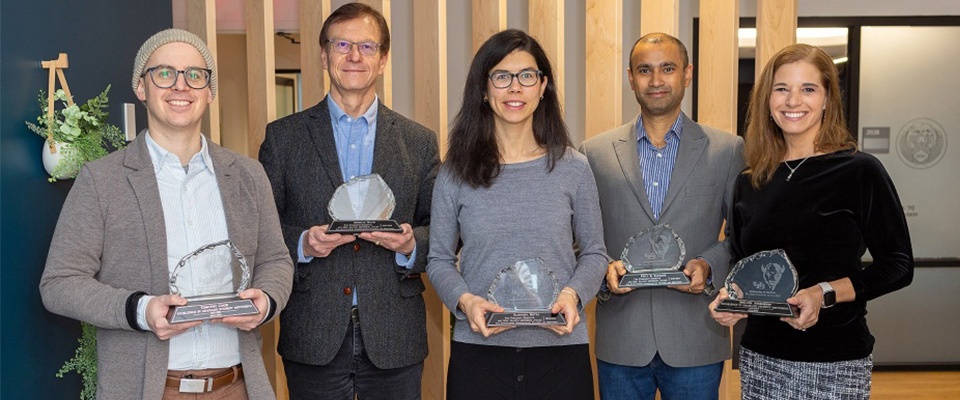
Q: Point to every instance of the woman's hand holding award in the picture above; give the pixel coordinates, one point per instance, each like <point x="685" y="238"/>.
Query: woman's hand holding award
<point x="761" y="284"/>
<point x="526" y="290"/>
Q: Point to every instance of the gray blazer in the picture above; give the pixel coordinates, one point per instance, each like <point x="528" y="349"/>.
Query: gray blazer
<point x="632" y="328"/>
<point x="300" y="157"/>
<point x="111" y="241"/>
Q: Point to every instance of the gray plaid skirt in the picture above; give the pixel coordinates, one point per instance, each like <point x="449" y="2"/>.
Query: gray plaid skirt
<point x="769" y="378"/>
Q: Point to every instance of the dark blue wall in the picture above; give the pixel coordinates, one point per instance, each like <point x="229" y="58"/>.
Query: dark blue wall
<point x="101" y="38"/>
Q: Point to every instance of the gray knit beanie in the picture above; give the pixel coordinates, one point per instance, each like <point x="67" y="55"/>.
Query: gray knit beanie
<point x="170" y="36"/>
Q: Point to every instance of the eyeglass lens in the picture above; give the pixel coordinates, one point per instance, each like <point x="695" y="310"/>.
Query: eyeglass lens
<point x="502" y="80"/>
<point x="166" y="76"/>
<point x="365" y="48"/>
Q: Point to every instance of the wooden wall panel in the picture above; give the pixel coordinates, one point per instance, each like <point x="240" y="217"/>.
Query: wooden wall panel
<point x="547" y="25"/>
<point x="776" y="28"/>
<point x="202" y="21"/>
<point x="489" y="17"/>
<point x="385" y="83"/>
<point x="261" y="73"/>
<point x="661" y="16"/>
<point x="430" y="109"/>
<point x="604" y="66"/>
<point x="313" y="79"/>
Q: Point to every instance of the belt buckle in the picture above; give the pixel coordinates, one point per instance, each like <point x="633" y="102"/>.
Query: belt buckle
<point x="355" y="315"/>
<point x="188" y="385"/>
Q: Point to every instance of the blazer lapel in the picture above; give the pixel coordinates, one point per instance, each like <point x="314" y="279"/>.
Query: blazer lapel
<point x="230" y="192"/>
<point x="385" y="145"/>
<point x="692" y="143"/>
<point x="320" y="132"/>
<point x="143" y="180"/>
<point x="626" y="150"/>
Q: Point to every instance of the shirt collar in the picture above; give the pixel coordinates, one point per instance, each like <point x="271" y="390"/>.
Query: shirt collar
<point x="676" y="129"/>
<point x="160" y="156"/>
<point x="336" y="112"/>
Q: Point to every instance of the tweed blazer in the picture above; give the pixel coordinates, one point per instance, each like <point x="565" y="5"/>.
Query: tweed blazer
<point x="300" y="157"/>
<point x="632" y="328"/>
<point x="110" y="242"/>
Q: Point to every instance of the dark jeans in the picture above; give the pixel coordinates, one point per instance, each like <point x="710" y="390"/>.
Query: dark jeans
<point x="622" y="382"/>
<point x="495" y="372"/>
<point x="351" y="373"/>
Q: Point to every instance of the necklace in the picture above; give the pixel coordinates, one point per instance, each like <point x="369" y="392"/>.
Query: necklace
<point x="794" y="169"/>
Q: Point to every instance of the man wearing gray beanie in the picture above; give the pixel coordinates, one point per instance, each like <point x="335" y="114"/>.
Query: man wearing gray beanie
<point x="133" y="215"/>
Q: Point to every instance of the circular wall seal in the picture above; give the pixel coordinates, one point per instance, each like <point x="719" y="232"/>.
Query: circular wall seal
<point x="922" y="143"/>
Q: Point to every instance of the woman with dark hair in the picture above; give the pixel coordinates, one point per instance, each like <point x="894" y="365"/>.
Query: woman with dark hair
<point x="513" y="189"/>
<point x="808" y="191"/>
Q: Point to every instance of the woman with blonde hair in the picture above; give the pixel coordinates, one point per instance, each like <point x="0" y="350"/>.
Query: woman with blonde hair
<point x="809" y="191"/>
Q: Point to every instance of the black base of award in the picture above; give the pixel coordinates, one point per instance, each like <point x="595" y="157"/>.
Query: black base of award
<point x="758" y="308"/>
<point x="525" y="318"/>
<point x="654" y="279"/>
<point x="210" y="307"/>
<point x="364" y="226"/>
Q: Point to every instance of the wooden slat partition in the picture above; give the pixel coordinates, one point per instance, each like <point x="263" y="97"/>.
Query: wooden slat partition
<point x="385" y="83"/>
<point x="661" y="16"/>
<point x="604" y="66"/>
<point x="313" y="79"/>
<point x="202" y="21"/>
<point x="261" y="109"/>
<point x="489" y="17"/>
<point x="717" y="97"/>
<point x="776" y="28"/>
<point x="430" y="109"/>
<point x="547" y="25"/>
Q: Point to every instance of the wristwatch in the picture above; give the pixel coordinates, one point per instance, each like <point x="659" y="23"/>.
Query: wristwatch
<point x="829" y="295"/>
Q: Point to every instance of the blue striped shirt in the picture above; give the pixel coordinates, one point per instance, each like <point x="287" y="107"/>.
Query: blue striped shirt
<point x="656" y="164"/>
<point x="193" y="217"/>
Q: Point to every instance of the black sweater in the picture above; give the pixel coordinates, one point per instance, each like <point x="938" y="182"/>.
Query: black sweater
<point x="833" y="207"/>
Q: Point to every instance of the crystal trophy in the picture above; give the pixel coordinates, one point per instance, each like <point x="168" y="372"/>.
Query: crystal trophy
<point x="526" y="291"/>
<point x="761" y="284"/>
<point x="654" y="257"/>
<point x="362" y="204"/>
<point x="211" y="272"/>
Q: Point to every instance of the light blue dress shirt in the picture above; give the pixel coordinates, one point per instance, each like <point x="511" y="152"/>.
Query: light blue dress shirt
<point x="354" y="139"/>
<point x="656" y="164"/>
<point x="194" y="217"/>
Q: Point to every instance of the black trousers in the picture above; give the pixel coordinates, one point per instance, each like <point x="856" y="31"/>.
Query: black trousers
<point x="513" y="373"/>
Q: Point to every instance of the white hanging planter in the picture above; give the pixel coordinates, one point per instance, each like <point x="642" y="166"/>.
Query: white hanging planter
<point x="51" y="160"/>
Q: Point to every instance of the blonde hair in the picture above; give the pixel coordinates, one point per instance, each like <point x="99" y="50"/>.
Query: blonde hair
<point x="764" y="145"/>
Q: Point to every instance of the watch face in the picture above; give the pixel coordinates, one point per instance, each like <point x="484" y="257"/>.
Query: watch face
<point x="829" y="298"/>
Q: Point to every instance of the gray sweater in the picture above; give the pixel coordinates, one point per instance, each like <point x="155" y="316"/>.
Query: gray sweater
<point x="528" y="212"/>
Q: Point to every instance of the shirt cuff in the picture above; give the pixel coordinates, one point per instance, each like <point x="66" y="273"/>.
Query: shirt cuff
<point x="407" y="262"/>
<point x="300" y="257"/>
<point x="142" y="312"/>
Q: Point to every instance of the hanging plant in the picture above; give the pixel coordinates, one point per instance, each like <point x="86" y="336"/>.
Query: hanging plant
<point x="76" y="134"/>
<point x="84" y="362"/>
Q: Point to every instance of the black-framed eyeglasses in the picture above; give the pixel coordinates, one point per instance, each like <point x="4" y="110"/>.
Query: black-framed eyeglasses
<point x="527" y="77"/>
<point x="165" y="76"/>
<point x="344" y="46"/>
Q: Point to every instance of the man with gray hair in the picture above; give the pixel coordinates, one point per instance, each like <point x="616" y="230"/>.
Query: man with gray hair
<point x="131" y="216"/>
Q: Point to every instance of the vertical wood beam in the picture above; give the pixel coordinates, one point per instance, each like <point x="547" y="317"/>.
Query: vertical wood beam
<point x="489" y="17"/>
<point x="604" y="66"/>
<point x="202" y="21"/>
<point x="660" y="16"/>
<point x="776" y="28"/>
<point x="430" y="109"/>
<point x="313" y="80"/>
<point x="718" y="73"/>
<point x="385" y="83"/>
<point x="261" y="73"/>
<point x="547" y="25"/>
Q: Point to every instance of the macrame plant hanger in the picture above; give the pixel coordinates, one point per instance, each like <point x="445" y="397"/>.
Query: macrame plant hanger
<point x="56" y="68"/>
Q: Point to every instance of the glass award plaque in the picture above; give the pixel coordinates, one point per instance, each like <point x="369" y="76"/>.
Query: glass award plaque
<point x="526" y="291"/>
<point x="654" y="257"/>
<point x="212" y="271"/>
<point x="362" y="204"/>
<point x="761" y="284"/>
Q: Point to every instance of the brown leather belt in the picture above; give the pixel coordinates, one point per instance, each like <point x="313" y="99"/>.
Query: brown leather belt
<point x="197" y="384"/>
